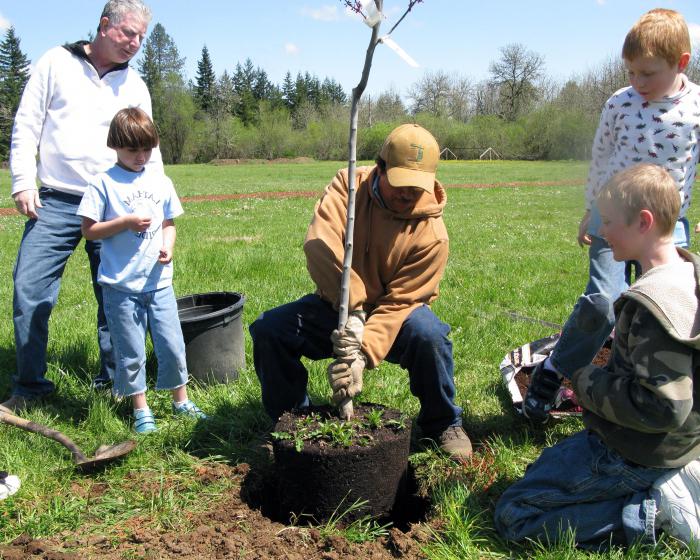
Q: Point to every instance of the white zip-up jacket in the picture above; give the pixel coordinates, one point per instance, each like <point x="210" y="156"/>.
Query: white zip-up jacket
<point x="64" y="114"/>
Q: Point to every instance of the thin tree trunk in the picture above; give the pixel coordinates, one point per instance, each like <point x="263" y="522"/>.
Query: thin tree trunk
<point x="346" y="409"/>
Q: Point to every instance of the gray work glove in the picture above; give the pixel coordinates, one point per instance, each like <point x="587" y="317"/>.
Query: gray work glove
<point x="348" y="340"/>
<point x="345" y="376"/>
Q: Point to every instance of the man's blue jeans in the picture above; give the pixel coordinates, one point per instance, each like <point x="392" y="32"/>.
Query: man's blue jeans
<point x="582" y="485"/>
<point x="130" y="316"/>
<point x="43" y="253"/>
<point x="281" y="336"/>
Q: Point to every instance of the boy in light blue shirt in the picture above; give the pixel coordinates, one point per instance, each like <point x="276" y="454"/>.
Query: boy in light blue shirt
<point x="132" y="208"/>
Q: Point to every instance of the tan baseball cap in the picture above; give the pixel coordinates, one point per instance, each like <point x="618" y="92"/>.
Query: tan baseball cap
<point x="411" y="155"/>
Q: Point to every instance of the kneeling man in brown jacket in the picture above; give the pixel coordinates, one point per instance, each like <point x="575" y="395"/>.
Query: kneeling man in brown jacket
<point x="399" y="257"/>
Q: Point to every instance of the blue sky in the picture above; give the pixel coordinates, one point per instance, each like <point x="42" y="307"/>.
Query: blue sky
<point x="457" y="36"/>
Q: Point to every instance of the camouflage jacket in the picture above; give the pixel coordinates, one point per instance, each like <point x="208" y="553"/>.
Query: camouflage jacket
<point x="645" y="403"/>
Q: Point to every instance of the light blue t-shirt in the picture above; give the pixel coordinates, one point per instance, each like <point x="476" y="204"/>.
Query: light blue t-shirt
<point x="129" y="259"/>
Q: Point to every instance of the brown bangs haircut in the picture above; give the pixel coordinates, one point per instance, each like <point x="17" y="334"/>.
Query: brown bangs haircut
<point x="644" y="187"/>
<point x="132" y="128"/>
<point x="659" y="32"/>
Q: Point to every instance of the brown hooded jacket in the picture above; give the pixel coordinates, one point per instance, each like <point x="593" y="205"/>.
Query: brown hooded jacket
<point x="398" y="259"/>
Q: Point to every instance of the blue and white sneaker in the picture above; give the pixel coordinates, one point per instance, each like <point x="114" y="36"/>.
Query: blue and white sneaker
<point x="144" y="422"/>
<point x="188" y="408"/>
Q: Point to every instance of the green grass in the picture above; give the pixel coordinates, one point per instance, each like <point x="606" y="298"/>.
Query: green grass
<point x="512" y="249"/>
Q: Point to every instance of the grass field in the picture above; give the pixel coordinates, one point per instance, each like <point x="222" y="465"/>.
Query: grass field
<point x="512" y="249"/>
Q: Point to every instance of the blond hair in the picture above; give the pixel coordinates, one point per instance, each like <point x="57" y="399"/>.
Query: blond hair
<point x="658" y="33"/>
<point x="644" y="187"/>
<point x="132" y="128"/>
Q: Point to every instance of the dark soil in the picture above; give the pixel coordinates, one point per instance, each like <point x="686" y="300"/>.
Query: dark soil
<point x="230" y="528"/>
<point x="321" y="474"/>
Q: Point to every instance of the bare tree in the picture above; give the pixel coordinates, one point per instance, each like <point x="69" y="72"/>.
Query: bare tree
<point x="515" y="73"/>
<point x="385" y="107"/>
<point x="485" y="98"/>
<point x="442" y="95"/>
<point x="430" y="93"/>
<point x="604" y="80"/>
<point x="459" y="99"/>
<point x="346" y="409"/>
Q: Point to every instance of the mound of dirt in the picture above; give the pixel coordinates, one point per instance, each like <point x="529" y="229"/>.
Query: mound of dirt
<point x="229" y="529"/>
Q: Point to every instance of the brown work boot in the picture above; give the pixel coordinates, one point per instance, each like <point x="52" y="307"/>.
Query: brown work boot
<point x="453" y="441"/>
<point x="16" y="404"/>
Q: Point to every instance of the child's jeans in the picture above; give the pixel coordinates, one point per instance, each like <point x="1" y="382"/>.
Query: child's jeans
<point x="129" y="316"/>
<point x="593" y="319"/>
<point x="582" y="485"/>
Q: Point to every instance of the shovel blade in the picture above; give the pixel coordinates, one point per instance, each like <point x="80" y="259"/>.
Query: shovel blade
<point x="106" y="454"/>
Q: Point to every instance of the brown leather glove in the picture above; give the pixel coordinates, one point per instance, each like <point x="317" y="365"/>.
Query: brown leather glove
<point x="345" y="376"/>
<point x="348" y="340"/>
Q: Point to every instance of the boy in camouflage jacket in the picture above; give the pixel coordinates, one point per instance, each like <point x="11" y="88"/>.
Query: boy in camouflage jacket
<point x="634" y="470"/>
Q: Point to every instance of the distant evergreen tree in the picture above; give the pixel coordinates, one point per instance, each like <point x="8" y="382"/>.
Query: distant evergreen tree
<point x="332" y="92"/>
<point x="160" y="59"/>
<point x="162" y="68"/>
<point x="205" y="87"/>
<point x="226" y="94"/>
<point x="262" y="86"/>
<point x="289" y="92"/>
<point x="245" y="107"/>
<point x="14" y="73"/>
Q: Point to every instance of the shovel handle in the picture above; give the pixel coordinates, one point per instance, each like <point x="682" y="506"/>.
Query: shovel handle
<point x="17" y="422"/>
<point x="346" y="409"/>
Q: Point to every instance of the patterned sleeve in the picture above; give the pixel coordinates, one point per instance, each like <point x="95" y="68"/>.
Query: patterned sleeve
<point x="601" y="152"/>
<point x="648" y="384"/>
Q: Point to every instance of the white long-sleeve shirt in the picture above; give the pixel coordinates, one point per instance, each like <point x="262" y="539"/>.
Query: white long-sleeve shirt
<point x="64" y="115"/>
<point x="664" y="132"/>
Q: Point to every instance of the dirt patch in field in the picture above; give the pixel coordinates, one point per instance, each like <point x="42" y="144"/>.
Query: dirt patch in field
<point x="229" y="529"/>
<point x="241" y="161"/>
<point x="567" y="183"/>
<point x="314" y="194"/>
<point x="238" y="196"/>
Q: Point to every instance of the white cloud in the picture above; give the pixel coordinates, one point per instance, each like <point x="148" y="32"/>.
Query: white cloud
<point x="291" y="48"/>
<point x="4" y="23"/>
<point x="694" y="29"/>
<point x="324" y="13"/>
<point x="600" y="2"/>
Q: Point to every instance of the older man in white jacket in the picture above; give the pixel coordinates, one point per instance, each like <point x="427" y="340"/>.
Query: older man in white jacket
<point x="63" y="116"/>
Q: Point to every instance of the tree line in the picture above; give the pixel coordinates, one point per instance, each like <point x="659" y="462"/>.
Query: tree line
<point x="518" y="110"/>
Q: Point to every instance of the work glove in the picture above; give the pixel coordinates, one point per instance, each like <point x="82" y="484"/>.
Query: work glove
<point x="348" y="340"/>
<point x="345" y="376"/>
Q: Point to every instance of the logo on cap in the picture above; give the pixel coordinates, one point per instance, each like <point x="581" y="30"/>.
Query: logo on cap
<point x="419" y="153"/>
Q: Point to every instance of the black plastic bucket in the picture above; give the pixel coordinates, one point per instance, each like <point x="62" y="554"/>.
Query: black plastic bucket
<point x="213" y="332"/>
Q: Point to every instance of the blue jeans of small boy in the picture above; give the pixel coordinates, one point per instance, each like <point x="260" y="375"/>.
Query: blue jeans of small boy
<point x="130" y="316"/>
<point x="281" y="336"/>
<point x="46" y="245"/>
<point x="583" y="485"/>
<point x="592" y="319"/>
